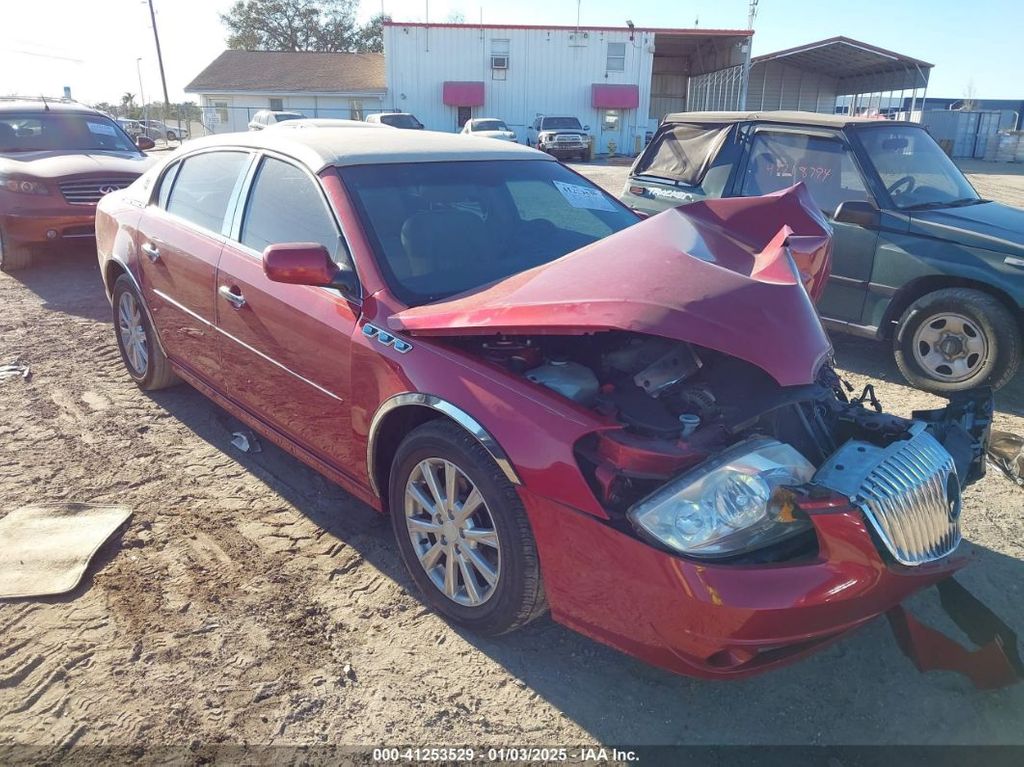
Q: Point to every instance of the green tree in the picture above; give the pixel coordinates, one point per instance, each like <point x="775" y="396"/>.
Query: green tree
<point x="300" y="25"/>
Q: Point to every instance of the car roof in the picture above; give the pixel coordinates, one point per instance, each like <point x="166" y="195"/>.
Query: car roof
<point x="816" y="119"/>
<point x="325" y="147"/>
<point x="38" y="105"/>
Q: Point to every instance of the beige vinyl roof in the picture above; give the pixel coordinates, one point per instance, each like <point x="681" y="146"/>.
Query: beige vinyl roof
<point x="798" y="118"/>
<point x="318" y="148"/>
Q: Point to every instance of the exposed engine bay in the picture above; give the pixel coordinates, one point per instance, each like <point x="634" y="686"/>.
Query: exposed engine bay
<point x="679" y="404"/>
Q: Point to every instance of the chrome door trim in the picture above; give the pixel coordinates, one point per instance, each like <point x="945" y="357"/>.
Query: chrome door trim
<point x="461" y="417"/>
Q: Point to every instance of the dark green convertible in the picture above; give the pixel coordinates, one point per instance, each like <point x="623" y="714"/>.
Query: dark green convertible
<point x="920" y="259"/>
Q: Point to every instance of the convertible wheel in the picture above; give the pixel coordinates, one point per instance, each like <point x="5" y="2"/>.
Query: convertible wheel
<point x="12" y="257"/>
<point x="142" y="357"/>
<point x="955" y="339"/>
<point x="462" y="531"/>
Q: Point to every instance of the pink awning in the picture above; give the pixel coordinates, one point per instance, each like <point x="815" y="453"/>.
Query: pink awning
<point x="614" y="96"/>
<point x="463" y="94"/>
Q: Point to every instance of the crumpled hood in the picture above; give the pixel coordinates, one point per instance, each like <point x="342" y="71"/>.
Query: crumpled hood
<point x="721" y="274"/>
<point x="59" y="164"/>
<point x="990" y="225"/>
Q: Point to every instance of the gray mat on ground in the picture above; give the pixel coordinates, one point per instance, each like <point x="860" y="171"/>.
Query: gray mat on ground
<point x="44" y="549"/>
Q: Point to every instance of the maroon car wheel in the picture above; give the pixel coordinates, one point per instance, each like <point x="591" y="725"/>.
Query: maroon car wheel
<point x="462" y="531"/>
<point x="136" y="340"/>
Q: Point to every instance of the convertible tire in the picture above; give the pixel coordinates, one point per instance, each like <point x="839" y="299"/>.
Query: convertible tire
<point x="462" y="531"/>
<point x="14" y="258"/>
<point x="955" y="339"/>
<point x="136" y="339"/>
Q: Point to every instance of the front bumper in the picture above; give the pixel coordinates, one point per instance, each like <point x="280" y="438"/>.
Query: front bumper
<point x="562" y="147"/>
<point x="718" y="621"/>
<point x="50" y="224"/>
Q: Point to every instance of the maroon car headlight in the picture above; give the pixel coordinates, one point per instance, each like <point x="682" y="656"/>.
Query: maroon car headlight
<point x="727" y="505"/>
<point x="22" y="185"/>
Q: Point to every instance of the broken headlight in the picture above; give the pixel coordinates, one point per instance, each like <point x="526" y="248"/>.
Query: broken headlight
<point x="727" y="505"/>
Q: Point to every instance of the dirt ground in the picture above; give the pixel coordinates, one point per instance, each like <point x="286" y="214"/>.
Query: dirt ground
<point x="250" y="601"/>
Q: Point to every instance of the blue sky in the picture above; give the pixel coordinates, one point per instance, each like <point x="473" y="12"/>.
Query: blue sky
<point x="92" y="45"/>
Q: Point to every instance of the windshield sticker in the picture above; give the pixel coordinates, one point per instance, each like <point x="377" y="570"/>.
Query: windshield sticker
<point x="102" y="129"/>
<point x="584" y="197"/>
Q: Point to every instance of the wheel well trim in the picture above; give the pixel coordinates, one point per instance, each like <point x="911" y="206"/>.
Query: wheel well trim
<point x="925" y="284"/>
<point x="446" y="408"/>
<point x="113" y="261"/>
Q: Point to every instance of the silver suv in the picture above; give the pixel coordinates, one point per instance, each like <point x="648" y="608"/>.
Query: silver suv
<point x="559" y="136"/>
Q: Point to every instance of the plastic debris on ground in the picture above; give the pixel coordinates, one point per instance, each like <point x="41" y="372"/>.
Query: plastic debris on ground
<point x="246" y="442"/>
<point x="16" y="369"/>
<point x="1006" y="452"/>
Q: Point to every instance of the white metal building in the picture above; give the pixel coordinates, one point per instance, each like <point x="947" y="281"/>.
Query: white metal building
<point x="619" y="81"/>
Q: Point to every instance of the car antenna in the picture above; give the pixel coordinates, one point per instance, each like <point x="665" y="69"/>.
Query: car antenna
<point x="45" y="105"/>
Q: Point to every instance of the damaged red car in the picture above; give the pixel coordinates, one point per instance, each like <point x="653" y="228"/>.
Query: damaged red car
<point x="632" y="423"/>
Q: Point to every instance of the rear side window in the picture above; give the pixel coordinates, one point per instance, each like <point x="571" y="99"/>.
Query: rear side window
<point x="285" y="205"/>
<point x="682" y="153"/>
<point x="203" y="188"/>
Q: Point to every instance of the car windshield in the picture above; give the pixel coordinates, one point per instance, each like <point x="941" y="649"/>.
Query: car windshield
<point x="556" y="123"/>
<point x="48" y="131"/>
<point x="282" y="116"/>
<point x="401" y="121"/>
<point x="489" y="125"/>
<point x="442" y="228"/>
<point x="915" y="170"/>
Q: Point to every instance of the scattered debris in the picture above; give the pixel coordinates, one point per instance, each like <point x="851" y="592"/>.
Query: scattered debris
<point x="349" y="672"/>
<point x="16" y="369"/>
<point x="1006" y="451"/>
<point x="246" y="442"/>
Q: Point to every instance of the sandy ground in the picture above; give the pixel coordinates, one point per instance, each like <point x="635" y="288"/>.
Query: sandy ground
<point x="250" y="601"/>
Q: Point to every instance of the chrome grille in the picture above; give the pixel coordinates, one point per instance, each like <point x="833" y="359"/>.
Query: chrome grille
<point x="89" y="191"/>
<point x="909" y="491"/>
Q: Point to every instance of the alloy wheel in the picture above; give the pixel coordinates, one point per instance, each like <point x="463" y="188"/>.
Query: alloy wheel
<point x="950" y="347"/>
<point x="133" y="334"/>
<point x="452" y="532"/>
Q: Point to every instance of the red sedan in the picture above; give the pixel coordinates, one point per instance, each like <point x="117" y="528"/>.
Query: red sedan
<point x="632" y="423"/>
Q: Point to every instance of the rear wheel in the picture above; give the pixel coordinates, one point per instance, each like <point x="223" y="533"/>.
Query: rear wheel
<point x="955" y="339"/>
<point x="14" y="257"/>
<point x="136" y="340"/>
<point x="462" y="531"/>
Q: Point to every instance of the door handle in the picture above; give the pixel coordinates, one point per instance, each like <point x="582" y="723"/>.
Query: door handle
<point x="231" y="295"/>
<point x="152" y="251"/>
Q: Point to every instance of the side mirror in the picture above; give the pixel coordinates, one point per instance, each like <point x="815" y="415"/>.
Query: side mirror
<point x="306" y="263"/>
<point x="586" y="127"/>
<point x="858" y="212"/>
<point x="144" y="143"/>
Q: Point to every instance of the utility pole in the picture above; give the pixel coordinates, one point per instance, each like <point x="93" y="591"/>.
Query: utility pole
<point x="160" y="61"/>
<point x="751" y="15"/>
<point x="142" y="95"/>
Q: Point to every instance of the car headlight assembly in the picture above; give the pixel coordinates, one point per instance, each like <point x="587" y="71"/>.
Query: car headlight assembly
<point x="22" y="185"/>
<point x="729" y="504"/>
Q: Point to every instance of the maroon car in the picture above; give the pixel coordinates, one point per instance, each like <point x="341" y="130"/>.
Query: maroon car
<point x="57" y="159"/>
<point x="631" y="423"/>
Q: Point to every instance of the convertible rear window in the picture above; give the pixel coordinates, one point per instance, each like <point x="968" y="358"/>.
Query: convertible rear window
<point x="442" y="228"/>
<point x="682" y="152"/>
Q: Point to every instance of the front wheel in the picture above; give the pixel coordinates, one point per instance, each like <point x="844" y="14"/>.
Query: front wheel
<point x="462" y="531"/>
<point x="136" y="339"/>
<point x="955" y="339"/>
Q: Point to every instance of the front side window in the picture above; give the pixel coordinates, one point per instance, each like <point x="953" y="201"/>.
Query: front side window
<point x="55" y="131"/>
<point x="442" y="228"/>
<point x="284" y="206"/>
<point x="915" y="170"/>
<point x="203" y="187"/>
<point x="824" y="164"/>
<point x="616" y="57"/>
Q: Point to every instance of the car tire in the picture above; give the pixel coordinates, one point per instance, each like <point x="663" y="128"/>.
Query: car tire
<point x="171" y="136"/>
<point x="955" y="339"/>
<point x="516" y="595"/>
<point x="14" y="258"/>
<point x="146" y="365"/>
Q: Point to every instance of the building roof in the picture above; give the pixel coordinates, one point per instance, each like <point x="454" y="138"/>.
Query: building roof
<point x="318" y="148"/>
<point x="799" y="118"/>
<point x="698" y="32"/>
<point x="864" y="68"/>
<point x="292" y="72"/>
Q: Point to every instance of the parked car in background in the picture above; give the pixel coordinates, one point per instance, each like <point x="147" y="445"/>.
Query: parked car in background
<point x="57" y="160"/>
<point x="161" y="131"/>
<point x="558" y="403"/>
<point x="267" y="117"/>
<point x="562" y="137"/>
<point x="488" y="127"/>
<point x="395" y="120"/>
<point x="323" y="122"/>
<point x="921" y="261"/>
<point x="132" y="127"/>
